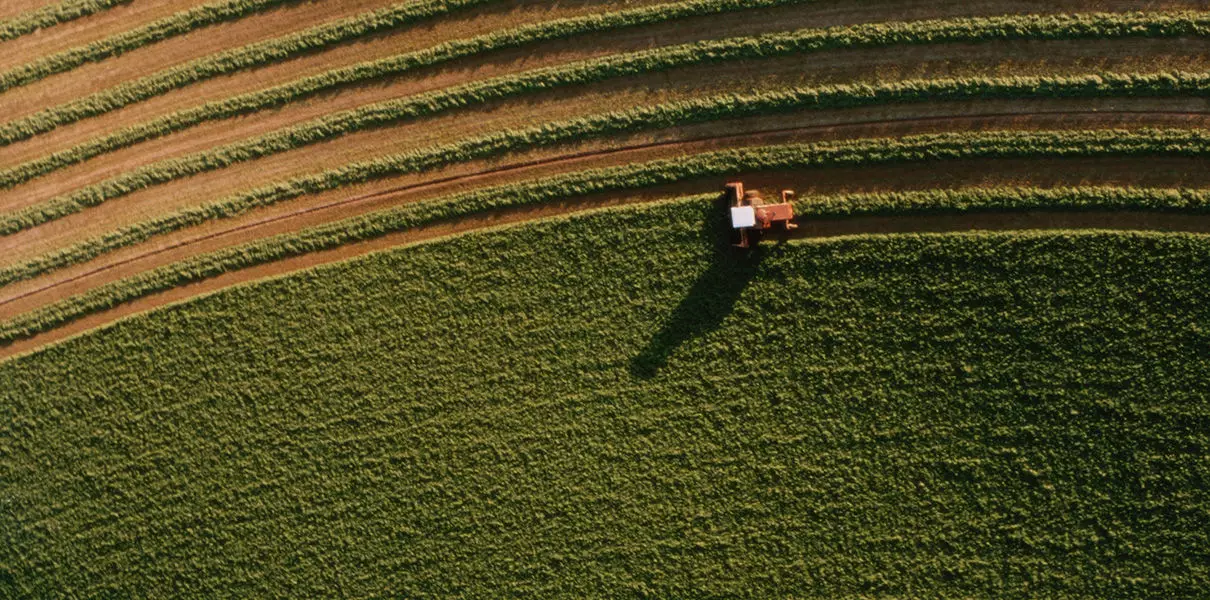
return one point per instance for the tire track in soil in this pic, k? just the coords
(812, 228)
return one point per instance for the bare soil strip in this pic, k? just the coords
(91, 77)
(499, 14)
(1003, 221)
(828, 12)
(85, 30)
(881, 65)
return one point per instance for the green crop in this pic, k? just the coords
(178, 24)
(1099, 26)
(930, 147)
(176, 77)
(723, 106)
(47, 16)
(603, 406)
(659, 172)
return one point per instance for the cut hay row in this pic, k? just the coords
(181, 23)
(629, 120)
(230, 61)
(258, 54)
(51, 15)
(865, 152)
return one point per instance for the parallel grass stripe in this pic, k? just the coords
(864, 152)
(230, 61)
(635, 119)
(142, 89)
(51, 15)
(156, 31)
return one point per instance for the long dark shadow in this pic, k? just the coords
(710, 300)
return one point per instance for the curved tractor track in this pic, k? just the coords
(989, 220)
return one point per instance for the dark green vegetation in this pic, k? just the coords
(606, 406)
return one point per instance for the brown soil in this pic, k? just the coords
(460, 24)
(84, 30)
(91, 77)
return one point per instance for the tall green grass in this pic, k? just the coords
(50, 15)
(1098, 26)
(604, 406)
(180, 23)
(867, 152)
(630, 120)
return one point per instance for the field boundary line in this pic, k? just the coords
(547, 162)
(925, 147)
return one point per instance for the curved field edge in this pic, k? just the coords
(983, 29)
(657, 116)
(933, 147)
(181, 23)
(587, 406)
(51, 15)
(150, 86)
(630, 120)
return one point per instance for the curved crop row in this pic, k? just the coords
(849, 153)
(153, 85)
(631, 120)
(178, 24)
(54, 14)
(1101, 26)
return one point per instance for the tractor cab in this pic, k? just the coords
(751, 216)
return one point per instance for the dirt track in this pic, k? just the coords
(28, 295)
(1112, 220)
(1056, 58)
(497, 15)
(158, 200)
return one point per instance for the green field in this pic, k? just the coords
(612, 405)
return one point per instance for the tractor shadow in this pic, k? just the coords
(711, 299)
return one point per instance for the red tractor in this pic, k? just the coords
(751, 217)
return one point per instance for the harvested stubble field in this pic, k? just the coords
(433, 298)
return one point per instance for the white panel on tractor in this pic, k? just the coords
(743, 216)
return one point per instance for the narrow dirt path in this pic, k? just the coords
(21, 301)
(162, 199)
(822, 228)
